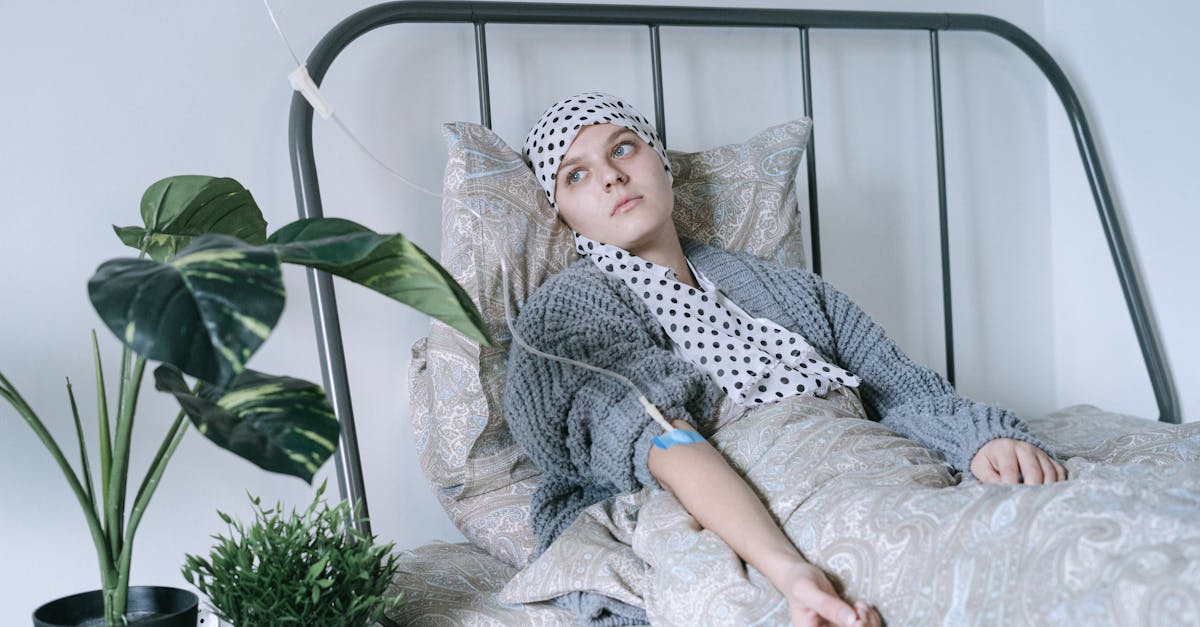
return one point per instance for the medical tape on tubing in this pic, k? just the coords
(678, 436)
(300, 81)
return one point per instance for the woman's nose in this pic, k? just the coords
(614, 175)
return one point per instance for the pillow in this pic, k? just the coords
(737, 197)
(741, 197)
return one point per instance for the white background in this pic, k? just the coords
(102, 99)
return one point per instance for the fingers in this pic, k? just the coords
(983, 470)
(814, 602)
(1009, 467)
(1055, 471)
(1037, 467)
(996, 462)
(832, 608)
(1062, 471)
(1029, 459)
(817, 603)
(1051, 469)
(1004, 460)
(838, 612)
(868, 616)
(1048, 470)
(805, 617)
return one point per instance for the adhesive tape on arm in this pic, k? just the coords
(677, 436)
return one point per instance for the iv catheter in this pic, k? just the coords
(303, 83)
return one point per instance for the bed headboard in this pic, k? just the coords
(481, 14)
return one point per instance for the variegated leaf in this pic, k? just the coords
(205, 311)
(332, 241)
(179, 208)
(394, 267)
(280, 424)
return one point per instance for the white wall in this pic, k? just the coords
(102, 101)
(1134, 69)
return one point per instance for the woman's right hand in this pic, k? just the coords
(813, 601)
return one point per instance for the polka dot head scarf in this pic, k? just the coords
(553, 133)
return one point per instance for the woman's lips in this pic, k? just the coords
(626, 204)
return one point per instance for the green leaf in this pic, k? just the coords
(316, 569)
(205, 311)
(131, 236)
(394, 267)
(178, 208)
(280, 424)
(351, 585)
(332, 241)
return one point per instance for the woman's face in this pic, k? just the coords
(611, 187)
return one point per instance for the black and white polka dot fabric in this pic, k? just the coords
(553, 133)
(753, 360)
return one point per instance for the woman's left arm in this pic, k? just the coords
(991, 442)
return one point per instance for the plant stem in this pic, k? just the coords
(85, 467)
(145, 492)
(154, 473)
(119, 471)
(114, 534)
(102, 419)
(10, 394)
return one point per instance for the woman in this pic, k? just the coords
(687, 323)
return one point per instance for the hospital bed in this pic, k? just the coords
(475, 469)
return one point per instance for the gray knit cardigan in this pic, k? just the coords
(590, 436)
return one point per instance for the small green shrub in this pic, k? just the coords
(309, 569)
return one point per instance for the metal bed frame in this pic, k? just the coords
(480, 14)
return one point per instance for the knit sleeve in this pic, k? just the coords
(586, 431)
(908, 397)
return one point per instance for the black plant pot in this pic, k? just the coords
(147, 606)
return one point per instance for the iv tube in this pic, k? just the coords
(304, 84)
(650, 408)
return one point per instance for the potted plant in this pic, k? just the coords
(201, 297)
(313, 568)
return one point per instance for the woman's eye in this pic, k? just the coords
(622, 149)
(575, 176)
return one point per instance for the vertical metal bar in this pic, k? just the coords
(325, 318)
(660, 119)
(935, 63)
(1131, 286)
(814, 226)
(481, 69)
(347, 459)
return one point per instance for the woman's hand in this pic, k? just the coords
(813, 601)
(1004, 460)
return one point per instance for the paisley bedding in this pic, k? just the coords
(1116, 544)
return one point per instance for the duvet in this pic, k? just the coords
(890, 523)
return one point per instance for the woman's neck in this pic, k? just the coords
(668, 252)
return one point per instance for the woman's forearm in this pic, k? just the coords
(722, 502)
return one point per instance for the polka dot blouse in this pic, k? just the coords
(753, 360)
